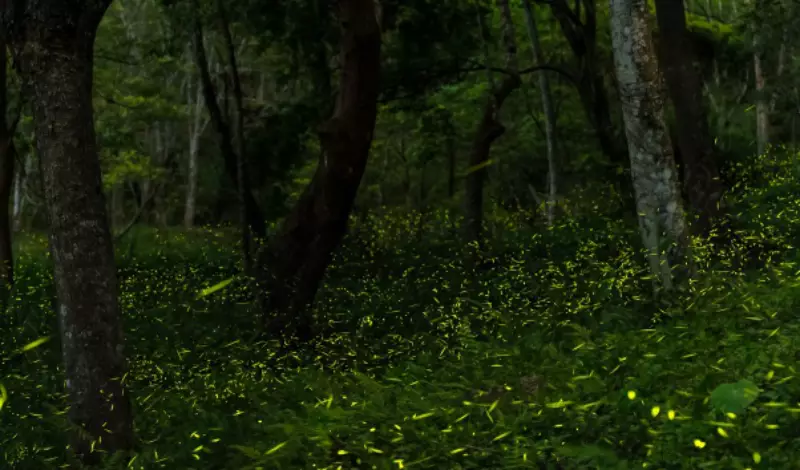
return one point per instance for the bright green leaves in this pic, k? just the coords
(734, 397)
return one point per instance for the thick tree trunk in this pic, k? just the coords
(53, 43)
(295, 262)
(702, 183)
(549, 113)
(489, 130)
(655, 178)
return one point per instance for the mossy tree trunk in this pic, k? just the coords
(655, 178)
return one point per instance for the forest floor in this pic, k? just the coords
(549, 357)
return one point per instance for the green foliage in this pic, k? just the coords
(550, 354)
(735, 397)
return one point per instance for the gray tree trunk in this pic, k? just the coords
(53, 43)
(549, 113)
(655, 179)
(762, 106)
(196, 127)
(18, 203)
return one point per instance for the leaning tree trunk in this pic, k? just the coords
(53, 44)
(655, 178)
(489, 130)
(700, 173)
(294, 263)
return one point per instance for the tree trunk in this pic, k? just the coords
(549, 113)
(7, 157)
(489, 130)
(655, 179)
(53, 44)
(255, 217)
(762, 106)
(700, 173)
(319, 60)
(19, 195)
(242, 181)
(196, 128)
(295, 262)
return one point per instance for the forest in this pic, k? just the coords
(396, 234)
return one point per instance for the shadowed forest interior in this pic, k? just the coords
(390, 234)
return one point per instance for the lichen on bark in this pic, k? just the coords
(655, 179)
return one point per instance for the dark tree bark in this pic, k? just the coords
(255, 217)
(53, 43)
(242, 181)
(319, 59)
(296, 259)
(489, 130)
(7, 157)
(702, 184)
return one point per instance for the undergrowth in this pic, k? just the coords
(550, 355)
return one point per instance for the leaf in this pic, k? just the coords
(734, 397)
(3, 396)
(214, 288)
